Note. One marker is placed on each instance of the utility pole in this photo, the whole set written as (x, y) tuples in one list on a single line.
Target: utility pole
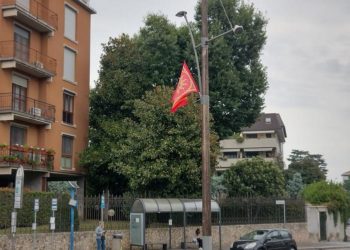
[(206, 200)]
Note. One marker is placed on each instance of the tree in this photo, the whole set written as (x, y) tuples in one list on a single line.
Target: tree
[(295, 185), (254, 177), (157, 152), (131, 66), (218, 188), (237, 77), (311, 167), (331, 194)]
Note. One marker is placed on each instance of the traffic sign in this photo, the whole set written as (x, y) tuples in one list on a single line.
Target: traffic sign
[(102, 201), (280, 202), (36, 205), (54, 204), (19, 187)]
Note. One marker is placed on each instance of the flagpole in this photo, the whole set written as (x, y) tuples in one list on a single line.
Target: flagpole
[(206, 200)]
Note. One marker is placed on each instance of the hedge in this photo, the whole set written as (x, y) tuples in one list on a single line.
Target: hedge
[(25, 216)]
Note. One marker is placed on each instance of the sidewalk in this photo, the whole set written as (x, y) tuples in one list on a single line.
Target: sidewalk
[(339, 245)]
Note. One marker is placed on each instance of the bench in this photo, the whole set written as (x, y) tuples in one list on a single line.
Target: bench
[(152, 244), (193, 244)]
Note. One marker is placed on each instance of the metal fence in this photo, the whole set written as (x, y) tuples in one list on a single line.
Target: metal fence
[(234, 211), (25, 215), (259, 210)]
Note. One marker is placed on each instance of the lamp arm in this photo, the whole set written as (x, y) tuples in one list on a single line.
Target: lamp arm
[(196, 56)]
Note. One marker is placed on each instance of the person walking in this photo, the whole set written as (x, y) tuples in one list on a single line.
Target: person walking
[(99, 232), (103, 240)]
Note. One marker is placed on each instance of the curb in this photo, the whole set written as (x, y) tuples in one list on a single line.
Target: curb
[(323, 248)]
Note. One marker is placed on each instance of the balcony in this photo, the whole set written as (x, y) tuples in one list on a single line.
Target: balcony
[(32, 158), (14, 55), (17, 107), (31, 13), (250, 143), (224, 164)]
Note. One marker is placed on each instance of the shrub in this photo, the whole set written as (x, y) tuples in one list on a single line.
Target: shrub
[(25, 216), (331, 194)]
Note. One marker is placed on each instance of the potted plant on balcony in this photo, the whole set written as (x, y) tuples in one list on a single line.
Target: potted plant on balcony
[(238, 137)]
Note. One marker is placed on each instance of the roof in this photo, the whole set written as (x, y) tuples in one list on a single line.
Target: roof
[(170, 205), (86, 5), (275, 123), (346, 173)]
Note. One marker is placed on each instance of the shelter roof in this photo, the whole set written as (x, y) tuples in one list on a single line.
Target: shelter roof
[(171, 206)]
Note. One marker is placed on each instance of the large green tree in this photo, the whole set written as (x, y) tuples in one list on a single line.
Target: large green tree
[(312, 167), (157, 152), (254, 177), (132, 65), (295, 185), (237, 77)]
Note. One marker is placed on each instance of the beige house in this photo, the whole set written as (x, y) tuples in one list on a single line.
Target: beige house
[(264, 138), (44, 90)]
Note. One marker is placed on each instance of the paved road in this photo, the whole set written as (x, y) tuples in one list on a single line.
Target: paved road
[(325, 245)]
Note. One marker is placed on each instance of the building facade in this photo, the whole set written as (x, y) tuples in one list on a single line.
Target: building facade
[(263, 139), (44, 89)]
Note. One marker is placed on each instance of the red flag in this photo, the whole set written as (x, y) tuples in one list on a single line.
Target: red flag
[(185, 86), (179, 104)]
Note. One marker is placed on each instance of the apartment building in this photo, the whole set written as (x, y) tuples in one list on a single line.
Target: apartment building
[(263, 139), (44, 89)]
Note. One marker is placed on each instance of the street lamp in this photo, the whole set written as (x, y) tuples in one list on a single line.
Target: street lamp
[(235, 29), (184, 14), (204, 89)]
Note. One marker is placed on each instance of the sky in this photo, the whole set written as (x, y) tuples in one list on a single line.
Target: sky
[(307, 56)]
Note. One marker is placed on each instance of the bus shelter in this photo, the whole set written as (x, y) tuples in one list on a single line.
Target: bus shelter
[(141, 207)]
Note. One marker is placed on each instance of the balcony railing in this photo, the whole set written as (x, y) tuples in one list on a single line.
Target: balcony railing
[(34, 8), (11, 50), (31, 108), (30, 157)]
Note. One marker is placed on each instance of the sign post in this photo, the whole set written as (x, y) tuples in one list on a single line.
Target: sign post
[(102, 204), (36, 209), (53, 220), (18, 202), (282, 202), (73, 203)]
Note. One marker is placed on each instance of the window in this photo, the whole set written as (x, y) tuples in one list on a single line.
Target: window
[(21, 38), (68, 107), (230, 155), (268, 120), (285, 234), (69, 65), (268, 135), (19, 98), (274, 235), (70, 16), (18, 135), (251, 136), (251, 154), (67, 152), (269, 154)]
